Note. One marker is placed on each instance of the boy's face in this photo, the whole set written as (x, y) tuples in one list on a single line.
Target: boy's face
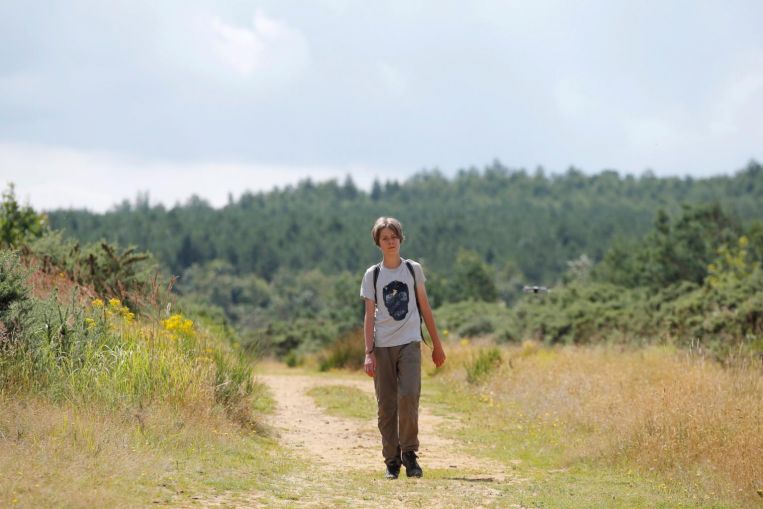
[(389, 243)]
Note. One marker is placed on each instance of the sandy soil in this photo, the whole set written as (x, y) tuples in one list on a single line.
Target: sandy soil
[(334, 441), (332, 445)]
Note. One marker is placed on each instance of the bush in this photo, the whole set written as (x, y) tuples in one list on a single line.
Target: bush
[(581, 312), (306, 334), (293, 359), (486, 362), (13, 290), (99, 352), (123, 274), (347, 352), (471, 318), (18, 224), (477, 327), (233, 379), (508, 335)]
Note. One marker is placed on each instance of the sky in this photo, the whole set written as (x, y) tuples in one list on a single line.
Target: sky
[(102, 101)]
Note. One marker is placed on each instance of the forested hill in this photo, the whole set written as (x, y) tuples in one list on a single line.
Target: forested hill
[(528, 224)]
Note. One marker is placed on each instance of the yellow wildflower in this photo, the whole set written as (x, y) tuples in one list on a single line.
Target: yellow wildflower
[(115, 303), (464, 342), (89, 323), (177, 324), (97, 303)]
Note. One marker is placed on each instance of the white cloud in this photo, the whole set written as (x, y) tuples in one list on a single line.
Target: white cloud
[(269, 46), (399, 82), (649, 133), (740, 104), (21, 87), (238, 47), (60, 177), (392, 78), (570, 98), (723, 134)]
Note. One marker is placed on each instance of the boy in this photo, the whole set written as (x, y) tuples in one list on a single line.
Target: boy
[(396, 302)]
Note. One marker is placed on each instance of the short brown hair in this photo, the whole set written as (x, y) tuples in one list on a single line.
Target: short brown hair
[(387, 222)]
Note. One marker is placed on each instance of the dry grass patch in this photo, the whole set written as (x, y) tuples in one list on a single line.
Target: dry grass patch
[(61, 456), (663, 411)]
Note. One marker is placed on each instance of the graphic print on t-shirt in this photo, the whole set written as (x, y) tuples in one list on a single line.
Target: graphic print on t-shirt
[(396, 299)]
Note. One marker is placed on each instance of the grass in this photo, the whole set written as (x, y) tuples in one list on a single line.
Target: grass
[(61, 455), (88, 350), (346, 352), (344, 401), (484, 362), (657, 421), (533, 452), (103, 408), (101, 354), (539, 474)]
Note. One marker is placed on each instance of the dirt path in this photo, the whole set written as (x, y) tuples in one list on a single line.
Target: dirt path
[(332, 441), (342, 464)]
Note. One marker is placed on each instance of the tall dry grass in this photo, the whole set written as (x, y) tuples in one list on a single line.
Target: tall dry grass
[(106, 356), (673, 412), (348, 351), (63, 455)]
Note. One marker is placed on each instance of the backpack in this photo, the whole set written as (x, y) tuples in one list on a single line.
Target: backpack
[(408, 264)]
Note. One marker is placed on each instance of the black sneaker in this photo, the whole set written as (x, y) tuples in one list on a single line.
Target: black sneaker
[(412, 468), (393, 470)]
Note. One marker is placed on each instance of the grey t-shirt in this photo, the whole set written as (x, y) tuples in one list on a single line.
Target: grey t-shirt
[(397, 319)]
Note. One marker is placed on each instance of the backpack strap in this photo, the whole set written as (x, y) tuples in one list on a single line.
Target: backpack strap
[(418, 307), (413, 275), (377, 268)]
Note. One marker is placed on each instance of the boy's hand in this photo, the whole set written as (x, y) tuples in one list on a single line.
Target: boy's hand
[(438, 356), (369, 366)]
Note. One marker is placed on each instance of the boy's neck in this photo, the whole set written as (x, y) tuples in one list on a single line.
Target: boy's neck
[(392, 262)]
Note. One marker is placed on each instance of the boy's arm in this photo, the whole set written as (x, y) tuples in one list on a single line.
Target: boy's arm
[(438, 354), (369, 365)]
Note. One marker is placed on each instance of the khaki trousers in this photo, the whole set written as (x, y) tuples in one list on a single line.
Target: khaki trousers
[(398, 387)]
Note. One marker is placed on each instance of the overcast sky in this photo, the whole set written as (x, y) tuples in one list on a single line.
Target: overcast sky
[(101, 100)]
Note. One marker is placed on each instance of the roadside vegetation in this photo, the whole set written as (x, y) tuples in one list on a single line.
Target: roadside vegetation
[(639, 370), (104, 379), (595, 426), (283, 267), (672, 415)]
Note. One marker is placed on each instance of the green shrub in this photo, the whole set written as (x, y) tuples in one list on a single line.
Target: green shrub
[(98, 352), (282, 336), (123, 274), (293, 359), (470, 318), (581, 312), (18, 224), (508, 334), (347, 352), (477, 327), (233, 379), (487, 361), (14, 294)]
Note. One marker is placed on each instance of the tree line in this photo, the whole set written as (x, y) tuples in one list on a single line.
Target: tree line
[(285, 265)]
